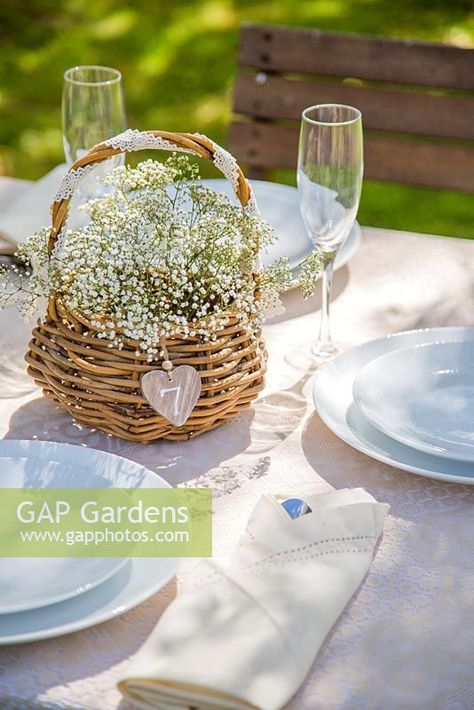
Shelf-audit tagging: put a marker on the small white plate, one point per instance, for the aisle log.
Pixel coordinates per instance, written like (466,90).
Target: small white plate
(132,584)
(279,205)
(33,582)
(334,402)
(423,396)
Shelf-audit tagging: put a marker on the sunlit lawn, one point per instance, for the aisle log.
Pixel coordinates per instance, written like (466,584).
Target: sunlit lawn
(178,63)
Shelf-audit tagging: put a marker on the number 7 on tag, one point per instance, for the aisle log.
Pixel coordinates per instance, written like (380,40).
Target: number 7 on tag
(173,399)
(177,389)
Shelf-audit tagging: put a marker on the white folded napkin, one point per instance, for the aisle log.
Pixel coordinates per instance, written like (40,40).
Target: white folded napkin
(31,210)
(244,635)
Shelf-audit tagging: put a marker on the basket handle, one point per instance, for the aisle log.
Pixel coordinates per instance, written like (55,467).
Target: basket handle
(132,140)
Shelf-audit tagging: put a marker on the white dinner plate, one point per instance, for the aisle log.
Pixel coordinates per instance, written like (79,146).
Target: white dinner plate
(279,205)
(423,396)
(334,402)
(134,582)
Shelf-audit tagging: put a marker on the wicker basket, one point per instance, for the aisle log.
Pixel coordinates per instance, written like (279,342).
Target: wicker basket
(100,386)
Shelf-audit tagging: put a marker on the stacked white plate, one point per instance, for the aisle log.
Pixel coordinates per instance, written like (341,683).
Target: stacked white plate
(406,400)
(45,597)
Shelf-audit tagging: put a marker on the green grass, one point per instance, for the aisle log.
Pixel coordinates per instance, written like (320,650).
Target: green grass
(178,63)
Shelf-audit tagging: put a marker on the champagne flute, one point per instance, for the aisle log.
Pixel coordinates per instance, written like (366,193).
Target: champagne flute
(92,111)
(330,170)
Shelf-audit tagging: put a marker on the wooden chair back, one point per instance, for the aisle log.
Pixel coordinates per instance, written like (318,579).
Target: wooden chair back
(417,101)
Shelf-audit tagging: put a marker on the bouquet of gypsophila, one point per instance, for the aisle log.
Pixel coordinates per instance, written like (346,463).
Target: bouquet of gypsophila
(162,255)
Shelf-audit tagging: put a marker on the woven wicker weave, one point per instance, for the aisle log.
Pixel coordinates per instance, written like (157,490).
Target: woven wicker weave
(100,386)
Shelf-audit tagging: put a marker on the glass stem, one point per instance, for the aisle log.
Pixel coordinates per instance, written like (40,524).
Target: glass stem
(324,346)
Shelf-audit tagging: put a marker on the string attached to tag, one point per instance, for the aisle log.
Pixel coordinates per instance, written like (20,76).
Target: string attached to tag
(167,365)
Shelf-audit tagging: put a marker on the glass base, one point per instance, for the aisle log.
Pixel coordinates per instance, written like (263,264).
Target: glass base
(307,357)
(323,351)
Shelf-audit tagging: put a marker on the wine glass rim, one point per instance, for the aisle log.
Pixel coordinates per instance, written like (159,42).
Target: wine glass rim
(116,75)
(316,122)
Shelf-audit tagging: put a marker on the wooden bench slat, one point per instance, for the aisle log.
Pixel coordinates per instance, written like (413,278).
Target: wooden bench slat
(283,49)
(382,109)
(414,162)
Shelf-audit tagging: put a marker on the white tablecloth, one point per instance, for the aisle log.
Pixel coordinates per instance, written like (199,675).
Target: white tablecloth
(406,640)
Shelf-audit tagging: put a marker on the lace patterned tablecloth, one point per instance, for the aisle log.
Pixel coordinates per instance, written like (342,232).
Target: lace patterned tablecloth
(406,640)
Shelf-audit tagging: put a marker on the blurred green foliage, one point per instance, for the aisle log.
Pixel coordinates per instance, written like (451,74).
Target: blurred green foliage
(178,63)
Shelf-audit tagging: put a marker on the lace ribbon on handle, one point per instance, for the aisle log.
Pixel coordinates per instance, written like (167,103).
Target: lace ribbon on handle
(129,141)
(70,181)
(133,140)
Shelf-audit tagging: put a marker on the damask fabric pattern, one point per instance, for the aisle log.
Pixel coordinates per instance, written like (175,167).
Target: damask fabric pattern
(406,639)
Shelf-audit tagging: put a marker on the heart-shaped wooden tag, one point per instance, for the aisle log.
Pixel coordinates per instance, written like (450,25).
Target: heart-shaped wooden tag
(174,399)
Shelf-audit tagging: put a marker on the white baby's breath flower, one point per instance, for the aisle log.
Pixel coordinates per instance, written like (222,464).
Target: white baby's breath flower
(162,256)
